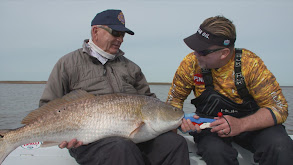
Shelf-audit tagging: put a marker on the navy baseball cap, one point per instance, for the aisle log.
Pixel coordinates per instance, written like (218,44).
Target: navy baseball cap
(114,19)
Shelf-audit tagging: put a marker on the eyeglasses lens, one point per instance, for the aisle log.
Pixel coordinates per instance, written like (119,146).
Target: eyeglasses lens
(206,52)
(113,32)
(117,33)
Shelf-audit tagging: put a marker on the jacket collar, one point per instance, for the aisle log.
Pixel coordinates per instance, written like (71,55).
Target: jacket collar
(87,50)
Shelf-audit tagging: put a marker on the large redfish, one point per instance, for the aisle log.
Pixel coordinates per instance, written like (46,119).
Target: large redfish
(89,118)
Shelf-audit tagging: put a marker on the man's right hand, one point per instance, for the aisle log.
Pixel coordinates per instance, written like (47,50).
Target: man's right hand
(72,144)
(188,126)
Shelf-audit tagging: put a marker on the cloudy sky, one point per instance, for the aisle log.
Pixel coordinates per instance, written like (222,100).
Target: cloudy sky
(34,34)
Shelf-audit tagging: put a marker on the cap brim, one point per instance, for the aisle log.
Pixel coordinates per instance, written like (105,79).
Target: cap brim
(194,43)
(121,29)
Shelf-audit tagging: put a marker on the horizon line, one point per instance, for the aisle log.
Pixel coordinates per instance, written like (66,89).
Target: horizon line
(44,82)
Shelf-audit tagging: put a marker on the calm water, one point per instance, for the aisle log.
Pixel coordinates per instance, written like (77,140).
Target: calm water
(17,100)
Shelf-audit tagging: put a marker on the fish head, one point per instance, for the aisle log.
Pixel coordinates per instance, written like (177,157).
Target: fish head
(161,117)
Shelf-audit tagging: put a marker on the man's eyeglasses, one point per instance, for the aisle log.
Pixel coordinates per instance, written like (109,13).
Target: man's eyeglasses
(112,32)
(206,52)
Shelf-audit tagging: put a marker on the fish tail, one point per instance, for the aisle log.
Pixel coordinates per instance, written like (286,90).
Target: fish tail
(5,149)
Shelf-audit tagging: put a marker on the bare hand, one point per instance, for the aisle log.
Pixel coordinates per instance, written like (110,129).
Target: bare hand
(72,144)
(231,127)
(187,125)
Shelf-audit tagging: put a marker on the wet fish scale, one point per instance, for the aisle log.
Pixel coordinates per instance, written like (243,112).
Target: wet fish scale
(88,118)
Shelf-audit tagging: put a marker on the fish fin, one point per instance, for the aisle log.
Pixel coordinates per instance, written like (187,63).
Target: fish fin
(77,95)
(56,105)
(49,144)
(136,129)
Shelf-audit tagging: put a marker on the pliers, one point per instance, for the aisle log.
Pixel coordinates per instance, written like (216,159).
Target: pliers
(202,122)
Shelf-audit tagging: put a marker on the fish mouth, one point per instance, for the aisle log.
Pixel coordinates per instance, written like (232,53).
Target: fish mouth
(180,119)
(175,123)
(178,122)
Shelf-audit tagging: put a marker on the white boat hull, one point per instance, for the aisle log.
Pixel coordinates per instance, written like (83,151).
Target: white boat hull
(55,155)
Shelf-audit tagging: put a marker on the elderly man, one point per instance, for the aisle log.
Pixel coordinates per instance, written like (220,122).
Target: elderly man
(236,83)
(100,67)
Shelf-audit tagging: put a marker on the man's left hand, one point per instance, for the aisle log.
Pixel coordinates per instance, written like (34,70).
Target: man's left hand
(228,127)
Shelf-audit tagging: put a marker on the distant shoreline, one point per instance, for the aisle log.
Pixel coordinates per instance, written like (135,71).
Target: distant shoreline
(44,82)
(23,82)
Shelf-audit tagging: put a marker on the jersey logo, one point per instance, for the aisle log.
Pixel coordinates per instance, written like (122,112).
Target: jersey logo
(198,79)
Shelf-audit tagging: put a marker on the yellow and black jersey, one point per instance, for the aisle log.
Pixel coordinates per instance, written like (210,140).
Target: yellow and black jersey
(260,82)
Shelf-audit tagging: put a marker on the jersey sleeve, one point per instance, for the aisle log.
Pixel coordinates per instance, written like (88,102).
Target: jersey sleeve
(265,89)
(182,83)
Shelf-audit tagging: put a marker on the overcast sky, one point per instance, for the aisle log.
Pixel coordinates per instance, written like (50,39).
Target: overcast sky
(34,34)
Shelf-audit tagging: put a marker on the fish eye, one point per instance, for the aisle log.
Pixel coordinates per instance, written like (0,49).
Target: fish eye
(175,109)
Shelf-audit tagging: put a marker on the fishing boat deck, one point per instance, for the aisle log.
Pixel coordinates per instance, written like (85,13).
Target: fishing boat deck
(54,155)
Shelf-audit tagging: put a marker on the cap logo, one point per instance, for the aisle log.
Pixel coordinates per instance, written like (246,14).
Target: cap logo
(121,18)
(204,34)
(226,42)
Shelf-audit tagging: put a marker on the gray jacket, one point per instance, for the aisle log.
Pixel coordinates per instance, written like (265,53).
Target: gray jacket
(79,70)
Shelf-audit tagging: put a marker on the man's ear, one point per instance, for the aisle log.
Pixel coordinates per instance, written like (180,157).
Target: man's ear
(225,53)
(94,31)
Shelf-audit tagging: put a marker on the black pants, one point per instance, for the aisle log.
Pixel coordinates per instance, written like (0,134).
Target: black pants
(166,149)
(271,146)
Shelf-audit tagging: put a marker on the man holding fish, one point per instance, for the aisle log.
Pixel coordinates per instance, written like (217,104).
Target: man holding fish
(100,68)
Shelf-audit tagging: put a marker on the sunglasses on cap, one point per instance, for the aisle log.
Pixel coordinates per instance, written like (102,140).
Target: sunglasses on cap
(112,32)
(207,52)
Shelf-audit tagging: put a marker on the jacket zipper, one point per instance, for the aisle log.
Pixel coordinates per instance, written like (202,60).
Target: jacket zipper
(108,78)
(119,85)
